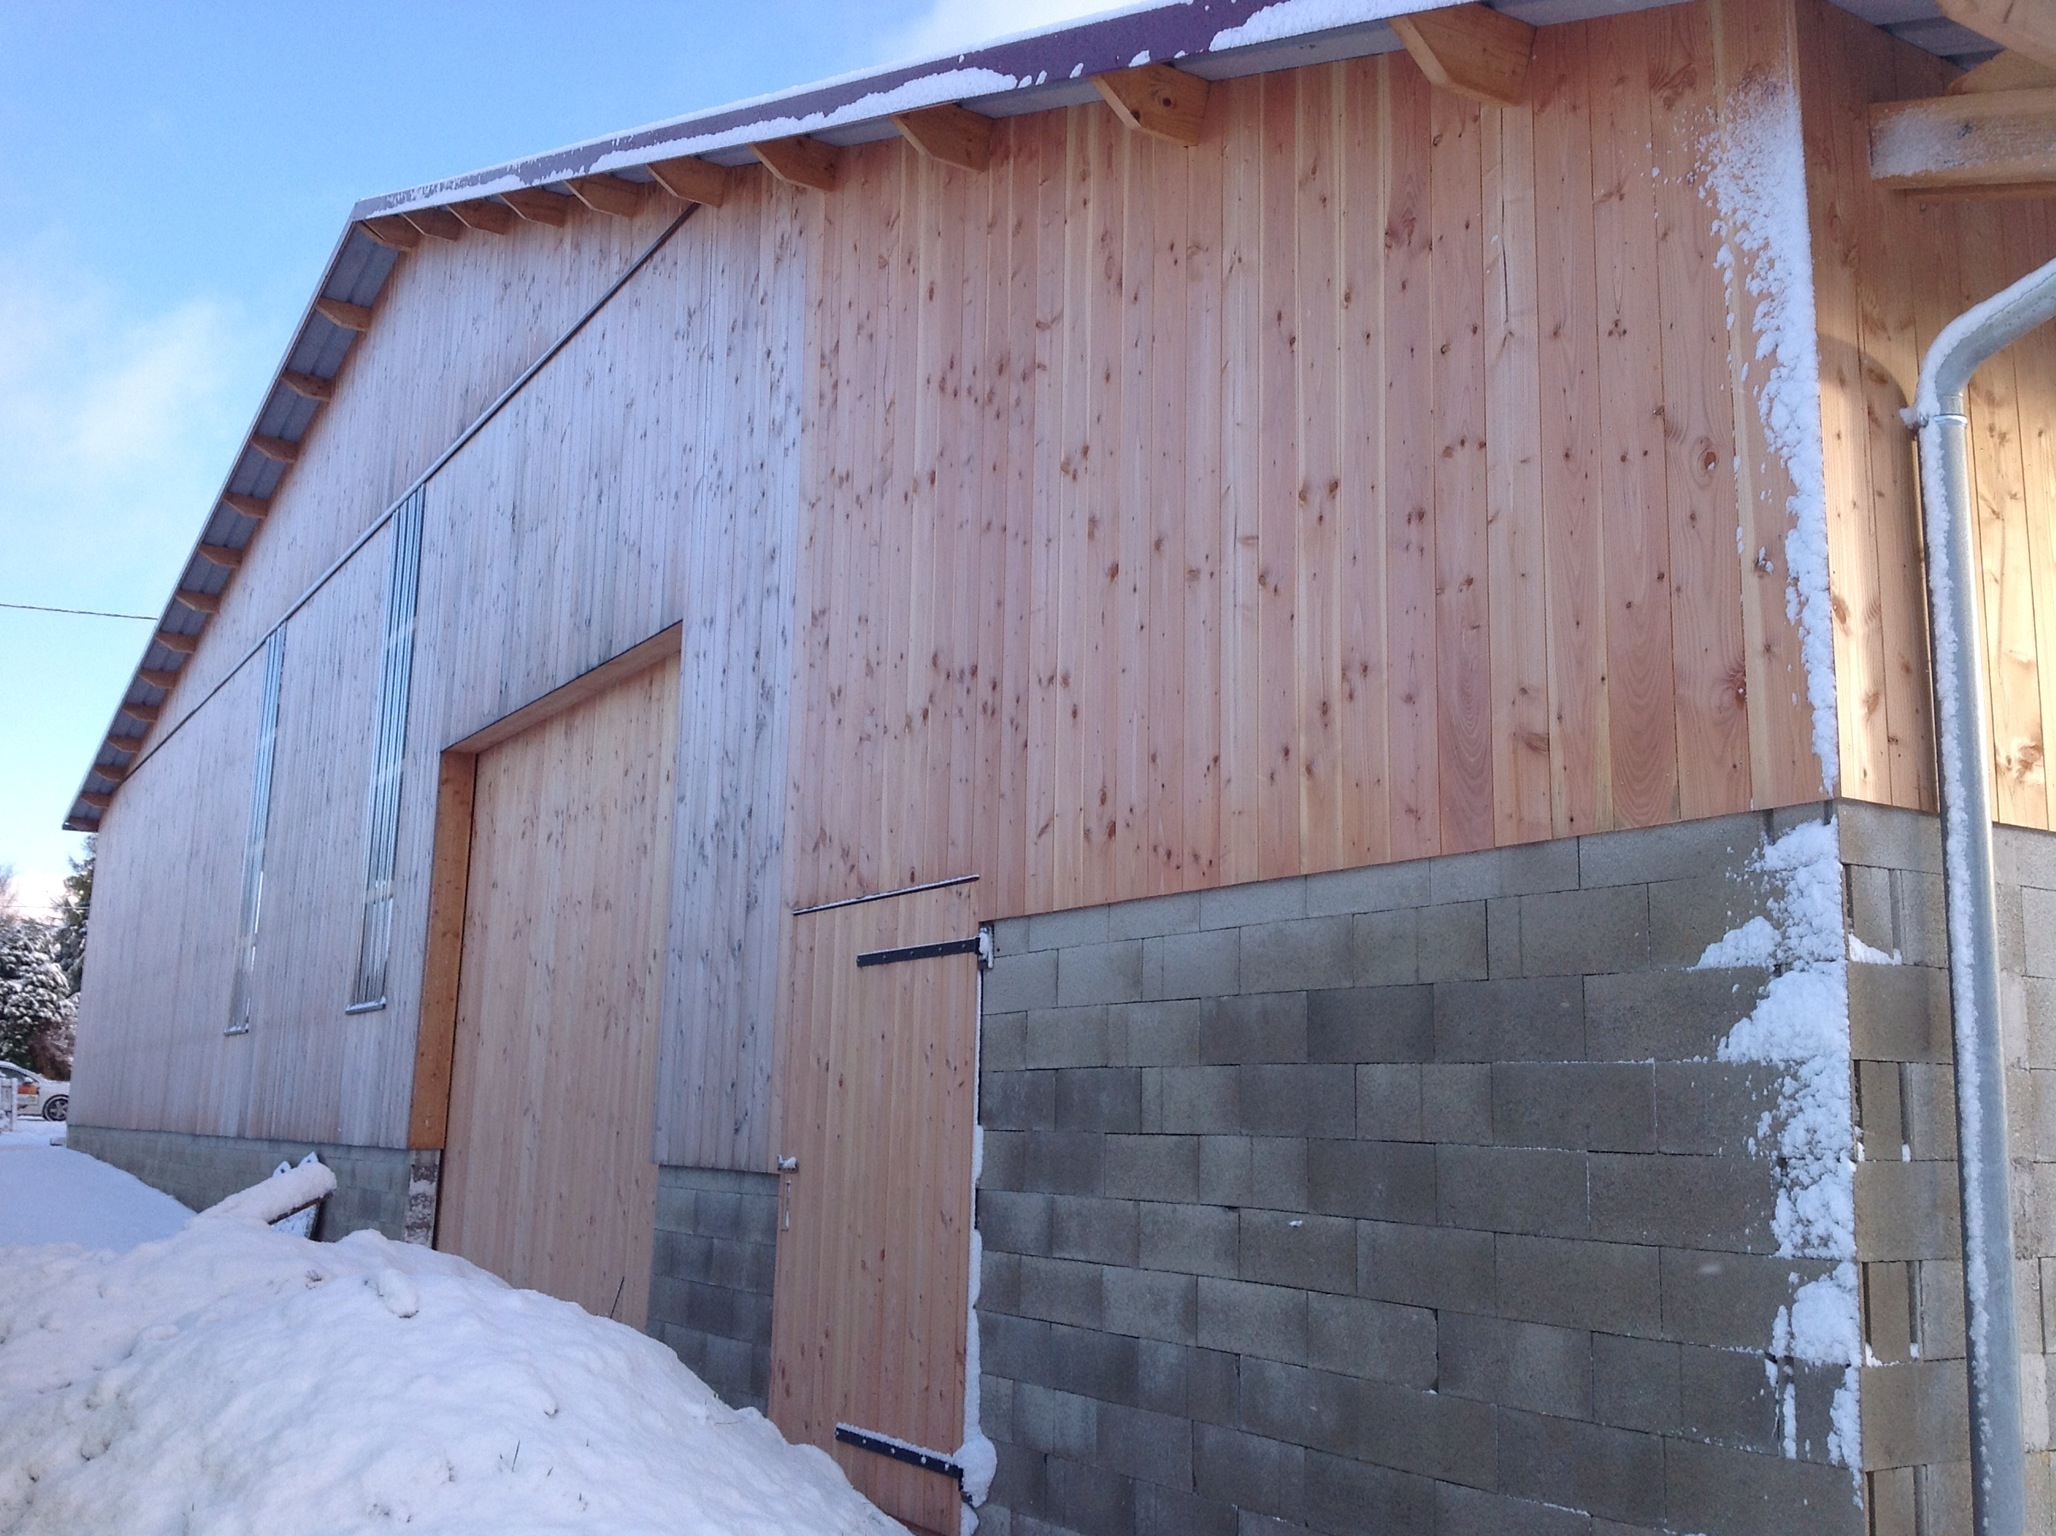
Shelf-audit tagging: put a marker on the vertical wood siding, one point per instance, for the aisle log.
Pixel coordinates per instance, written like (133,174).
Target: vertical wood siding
(1890,272)
(1356,486)
(646,476)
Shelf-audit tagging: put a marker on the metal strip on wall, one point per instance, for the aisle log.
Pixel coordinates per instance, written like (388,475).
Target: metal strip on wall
(382,814)
(239,1005)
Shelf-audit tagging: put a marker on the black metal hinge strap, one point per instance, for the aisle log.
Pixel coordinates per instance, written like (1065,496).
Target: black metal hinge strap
(898,1450)
(918,952)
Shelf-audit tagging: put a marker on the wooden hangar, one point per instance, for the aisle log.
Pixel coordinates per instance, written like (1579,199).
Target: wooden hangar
(1209,514)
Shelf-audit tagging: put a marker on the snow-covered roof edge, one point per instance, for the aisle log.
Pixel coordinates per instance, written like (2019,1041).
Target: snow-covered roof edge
(1026,67)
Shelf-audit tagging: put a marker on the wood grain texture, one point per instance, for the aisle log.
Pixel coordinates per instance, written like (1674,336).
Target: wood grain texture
(877,1104)
(1442,400)
(547,1178)
(1892,270)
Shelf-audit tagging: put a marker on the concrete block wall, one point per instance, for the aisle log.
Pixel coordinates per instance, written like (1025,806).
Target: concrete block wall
(371,1182)
(1908,1218)
(710,1277)
(1399,1199)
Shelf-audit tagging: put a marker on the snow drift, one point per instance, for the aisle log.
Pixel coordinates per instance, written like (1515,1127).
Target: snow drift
(232,1379)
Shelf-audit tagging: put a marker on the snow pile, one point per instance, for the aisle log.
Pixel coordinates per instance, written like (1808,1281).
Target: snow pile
(51,1195)
(233,1379)
(1757,174)
(1801,1025)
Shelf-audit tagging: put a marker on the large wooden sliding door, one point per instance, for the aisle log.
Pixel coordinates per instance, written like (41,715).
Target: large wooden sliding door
(877,1104)
(547,1178)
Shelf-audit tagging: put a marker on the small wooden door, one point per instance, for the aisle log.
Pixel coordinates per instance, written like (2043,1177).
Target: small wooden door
(876,1079)
(547,1178)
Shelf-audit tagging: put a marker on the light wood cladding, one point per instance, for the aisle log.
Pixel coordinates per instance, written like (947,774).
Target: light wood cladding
(877,1102)
(1357,485)
(1890,271)
(551,544)
(547,1178)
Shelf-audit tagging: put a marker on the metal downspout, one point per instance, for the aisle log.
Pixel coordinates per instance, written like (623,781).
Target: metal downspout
(1963,736)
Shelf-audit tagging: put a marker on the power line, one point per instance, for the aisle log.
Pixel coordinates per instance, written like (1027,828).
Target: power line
(83,613)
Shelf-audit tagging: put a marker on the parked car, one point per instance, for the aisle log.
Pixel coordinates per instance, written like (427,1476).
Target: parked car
(35,1095)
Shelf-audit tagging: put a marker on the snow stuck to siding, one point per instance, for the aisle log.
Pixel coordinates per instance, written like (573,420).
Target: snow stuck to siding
(1801,1025)
(1757,174)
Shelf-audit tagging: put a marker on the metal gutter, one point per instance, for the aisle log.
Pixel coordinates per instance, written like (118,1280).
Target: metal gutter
(1941,411)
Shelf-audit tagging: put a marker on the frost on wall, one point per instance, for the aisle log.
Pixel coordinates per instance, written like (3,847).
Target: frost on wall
(1757,176)
(1800,1026)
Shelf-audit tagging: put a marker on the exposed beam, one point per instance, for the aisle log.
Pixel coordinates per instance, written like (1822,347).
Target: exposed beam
(610,194)
(180,645)
(93,800)
(221,555)
(391,231)
(2025,26)
(149,714)
(439,222)
(308,387)
(277,449)
(351,317)
(692,180)
(1995,139)
(802,161)
(156,679)
(249,506)
(538,206)
(952,135)
(199,602)
(1471,50)
(1158,100)
(482,213)
(2004,72)
(113,773)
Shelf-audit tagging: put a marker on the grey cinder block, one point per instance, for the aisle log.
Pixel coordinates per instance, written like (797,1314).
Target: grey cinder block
(1306,953)
(1345,1494)
(1899,1013)
(1381,1340)
(1716,846)
(1377,888)
(1253,1170)
(1452,943)
(1066,1037)
(1431,1433)
(1510,1020)
(1207,964)
(1067,930)
(1579,1284)
(1513,1189)
(1267,901)
(1018,982)
(1722,1299)
(1314,1253)
(1381,1180)
(1100,973)
(1152,1167)
(1241,1318)
(1267,1026)
(1720,1488)
(1585,933)
(1518,871)
(1522,1365)
(1099,1099)
(1101,1230)
(1427,1266)
(1191,1239)
(1153,916)
(1313,1408)
(1635,1382)
(1667,1015)
(1152,1304)
(1307,1100)
(1155,1034)
(1907,1210)
(1577,1106)
(1615,1473)
(1372,1024)
(1684,1202)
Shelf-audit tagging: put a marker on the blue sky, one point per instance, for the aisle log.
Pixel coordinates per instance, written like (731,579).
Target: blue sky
(172,178)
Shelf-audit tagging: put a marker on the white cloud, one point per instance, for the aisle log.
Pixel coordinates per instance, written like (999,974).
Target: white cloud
(951,26)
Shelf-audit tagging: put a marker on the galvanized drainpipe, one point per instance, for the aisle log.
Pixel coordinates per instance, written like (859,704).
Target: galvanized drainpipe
(1962,731)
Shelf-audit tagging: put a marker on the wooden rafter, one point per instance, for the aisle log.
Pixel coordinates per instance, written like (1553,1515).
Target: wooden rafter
(952,135)
(801,161)
(351,317)
(1998,140)
(149,714)
(1158,100)
(308,387)
(391,231)
(277,449)
(1471,50)
(2024,26)
(221,555)
(610,194)
(156,679)
(692,180)
(439,222)
(93,800)
(2004,72)
(538,206)
(248,506)
(181,645)
(200,602)
(113,773)
(483,213)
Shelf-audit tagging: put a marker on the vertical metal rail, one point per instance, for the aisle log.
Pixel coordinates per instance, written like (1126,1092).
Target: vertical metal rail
(382,813)
(240,1004)
(1963,741)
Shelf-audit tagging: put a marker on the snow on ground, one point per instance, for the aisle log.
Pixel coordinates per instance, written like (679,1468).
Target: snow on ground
(51,1195)
(34,1132)
(229,1379)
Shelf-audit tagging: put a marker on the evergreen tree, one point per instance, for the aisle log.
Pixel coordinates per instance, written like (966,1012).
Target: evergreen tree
(73,910)
(36,1006)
